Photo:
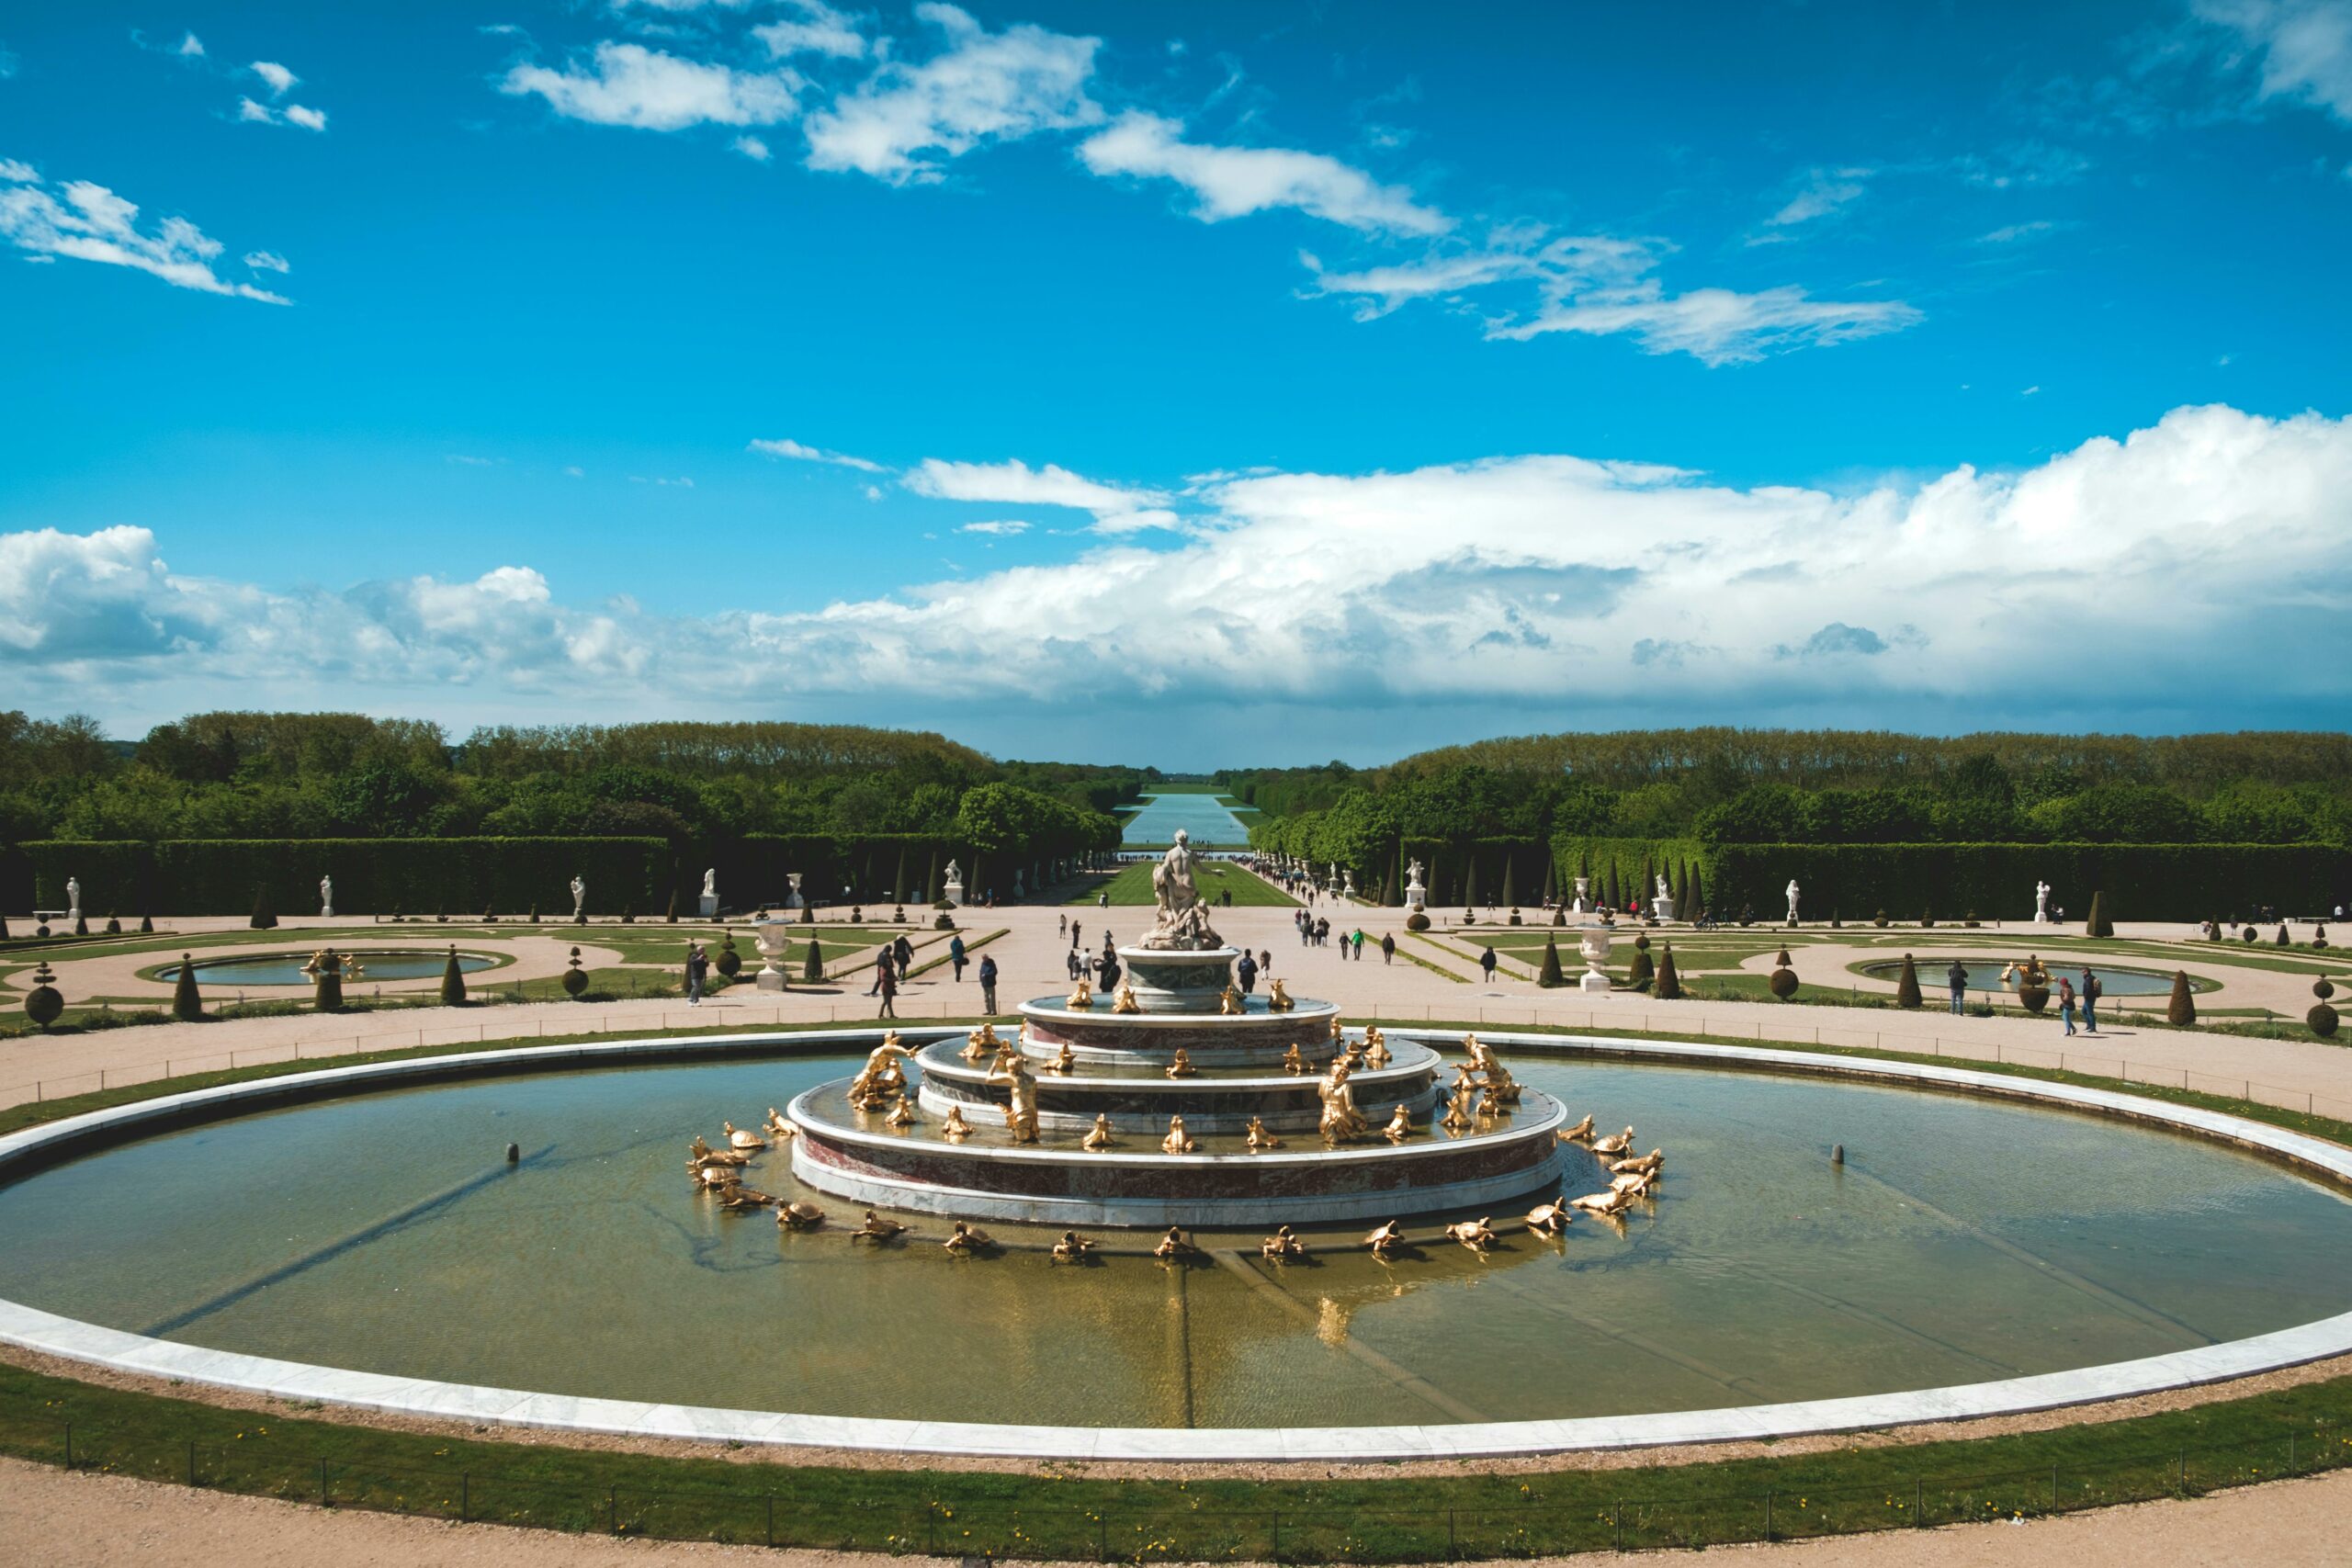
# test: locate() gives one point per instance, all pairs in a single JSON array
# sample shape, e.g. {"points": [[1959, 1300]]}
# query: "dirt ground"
{"points": [[72, 1521]]}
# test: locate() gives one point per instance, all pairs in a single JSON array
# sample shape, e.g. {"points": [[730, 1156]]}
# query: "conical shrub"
{"points": [[2099, 924], [1549, 976], [1907, 990], [187, 1003], [327, 984], [1639, 973], [812, 964], [2182, 1009], [575, 979], [673, 916], [453, 982], [263, 920], [1669, 983]]}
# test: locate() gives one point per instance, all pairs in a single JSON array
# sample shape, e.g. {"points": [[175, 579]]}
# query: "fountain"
{"points": [[1096, 1140]]}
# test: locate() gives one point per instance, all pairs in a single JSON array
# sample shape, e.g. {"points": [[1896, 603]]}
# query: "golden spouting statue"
{"points": [[1178, 1142], [1100, 1138], [1616, 1144], [1457, 1117], [1501, 1087], [1081, 997], [964, 1238], [1293, 1061], [739, 1139], [700, 1154], [1387, 1239], [1072, 1247], [980, 1043], [1181, 1065], [1011, 1069], [1476, 1235], [1550, 1218], [1578, 1133], [1259, 1138], [738, 1199], [881, 1080], [1340, 1121], [1646, 1165], [1175, 1245], [954, 1128], [1123, 1000], [1229, 1002], [877, 1229], [777, 1127], [902, 1112], [1277, 999], [1400, 1124], [799, 1216], [1633, 1184], [1611, 1203], [1283, 1247], [1065, 1063], [1375, 1046]]}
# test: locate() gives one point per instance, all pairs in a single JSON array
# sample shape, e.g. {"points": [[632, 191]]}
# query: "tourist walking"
{"points": [[1077, 936], [1247, 972], [1265, 961], [2066, 1002], [1359, 943], [698, 970], [889, 982], [1387, 947], [988, 983], [1487, 963], [903, 953], [957, 957], [2092, 991], [1956, 979], [1061, 925], [882, 974]]}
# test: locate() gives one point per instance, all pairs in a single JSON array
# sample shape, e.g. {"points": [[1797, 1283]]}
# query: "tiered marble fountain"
{"points": [[1084, 1062]]}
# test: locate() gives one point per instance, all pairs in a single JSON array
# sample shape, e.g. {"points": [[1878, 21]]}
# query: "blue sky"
{"points": [[1181, 384]]}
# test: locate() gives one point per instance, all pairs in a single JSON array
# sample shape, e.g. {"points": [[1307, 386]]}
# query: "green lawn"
{"points": [[1131, 885]]}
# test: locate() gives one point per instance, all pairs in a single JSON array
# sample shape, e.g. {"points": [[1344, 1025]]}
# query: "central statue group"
{"points": [[1181, 922]]}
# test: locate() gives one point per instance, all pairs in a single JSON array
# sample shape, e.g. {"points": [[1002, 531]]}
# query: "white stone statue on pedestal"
{"points": [[954, 891], [1416, 895], [579, 897], [1018, 892], [1583, 906], [1793, 900], [73, 898], [1182, 922], [326, 897], [1662, 906], [770, 937], [710, 893], [2041, 902], [792, 899]]}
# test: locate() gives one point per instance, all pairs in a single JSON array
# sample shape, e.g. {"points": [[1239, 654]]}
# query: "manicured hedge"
{"points": [[372, 876], [2143, 881]]}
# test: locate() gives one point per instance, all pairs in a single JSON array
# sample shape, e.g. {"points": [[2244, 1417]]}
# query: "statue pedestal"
{"points": [[710, 903], [954, 893], [771, 937], [1662, 908], [1593, 983]]}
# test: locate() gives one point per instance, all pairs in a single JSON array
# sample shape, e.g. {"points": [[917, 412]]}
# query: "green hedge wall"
{"points": [[372, 876], [2143, 881]]}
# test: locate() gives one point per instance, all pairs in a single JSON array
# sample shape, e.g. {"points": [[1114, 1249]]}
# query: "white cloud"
{"points": [[682, 482], [1003, 528], [1231, 182], [1824, 191], [293, 114], [191, 48], [2305, 47], [982, 86], [788, 447], [1117, 509], [630, 84], [2011, 233], [1494, 586], [820, 30], [307, 118], [276, 75], [751, 147], [267, 261], [13, 172], [88, 222]]}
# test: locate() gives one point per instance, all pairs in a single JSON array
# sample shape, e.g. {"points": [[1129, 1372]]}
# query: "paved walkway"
{"points": [[2304, 1075]]}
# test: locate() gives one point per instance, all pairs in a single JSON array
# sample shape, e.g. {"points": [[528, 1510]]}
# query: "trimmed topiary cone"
{"points": [[1669, 983], [2099, 924], [1907, 990], [263, 921], [673, 916], [453, 982], [1549, 976], [43, 1004], [146, 925], [2322, 1018], [575, 979], [812, 964], [1639, 973], [327, 984], [2182, 1009], [187, 1003], [729, 962]]}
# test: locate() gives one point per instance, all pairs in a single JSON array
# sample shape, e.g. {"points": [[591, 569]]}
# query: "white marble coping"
{"points": [[1056, 1009], [954, 1069], [1539, 1116], [68, 1338]]}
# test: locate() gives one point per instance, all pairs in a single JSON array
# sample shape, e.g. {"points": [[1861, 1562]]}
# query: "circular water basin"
{"points": [[1964, 1241], [1985, 974], [286, 968]]}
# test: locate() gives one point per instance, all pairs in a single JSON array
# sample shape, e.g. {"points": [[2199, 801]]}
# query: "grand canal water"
{"points": [[1208, 822]]}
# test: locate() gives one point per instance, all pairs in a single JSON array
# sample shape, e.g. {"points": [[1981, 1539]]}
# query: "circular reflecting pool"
{"points": [[1963, 1240], [286, 968], [1985, 974]]}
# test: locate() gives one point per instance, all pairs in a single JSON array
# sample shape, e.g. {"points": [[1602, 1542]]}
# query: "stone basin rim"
{"points": [[91, 1344]]}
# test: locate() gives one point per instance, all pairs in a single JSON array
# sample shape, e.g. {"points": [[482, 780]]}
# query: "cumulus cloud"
{"points": [[267, 261], [788, 447], [981, 86], [1506, 586], [276, 76], [1230, 181], [816, 29], [1117, 509], [83, 221], [1821, 193], [190, 47], [751, 147], [1003, 528], [2304, 47], [627, 84]]}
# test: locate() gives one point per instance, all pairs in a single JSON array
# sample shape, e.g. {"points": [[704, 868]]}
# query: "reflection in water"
{"points": [[1963, 1240]]}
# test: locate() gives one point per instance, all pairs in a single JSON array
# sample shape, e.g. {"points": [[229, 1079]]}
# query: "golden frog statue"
{"points": [[1072, 1247], [1082, 998], [980, 1043], [1124, 999], [1277, 999], [1400, 1126], [1457, 1112], [1283, 1247], [902, 1112], [1065, 1063], [882, 1079], [1259, 1138], [954, 1128], [1387, 1239], [1229, 1002], [1175, 1245], [1375, 1046], [1181, 1065], [1501, 1087], [1100, 1138], [1292, 1062], [967, 1238], [1178, 1142]]}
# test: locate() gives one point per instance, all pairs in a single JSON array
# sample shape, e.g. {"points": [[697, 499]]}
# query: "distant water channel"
{"points": [[1203, 817]]}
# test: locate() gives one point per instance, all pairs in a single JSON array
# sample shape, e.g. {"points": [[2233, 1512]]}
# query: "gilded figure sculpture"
{"points": [[1340, 1121], [1229, 1002], [799, 1216], [1552, 1218], [1181, 1065], [1283, 1247], [979, 1043], [1065, 1063], [882, 1079], [1578, 1133], [964, 1238], [1476, 1235], [1292, 1062], [877, 1229], [1277, 999], [902, 1112], [1457, 1118], [1501, 1087], [1100, 1138], [739, 1139], [1178, 1142], [1175, 1245], [1259, 1138], [1011, 1069], [1123, 1000], [954, 1128], [1615, 1145], [1400, 1126], [1072, 1249], [1387, 1239], [1375, 1046], [1081, 997]]}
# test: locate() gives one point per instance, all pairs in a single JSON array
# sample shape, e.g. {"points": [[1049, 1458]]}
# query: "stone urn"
{"points": [[771, 937], [1594, 946]]}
